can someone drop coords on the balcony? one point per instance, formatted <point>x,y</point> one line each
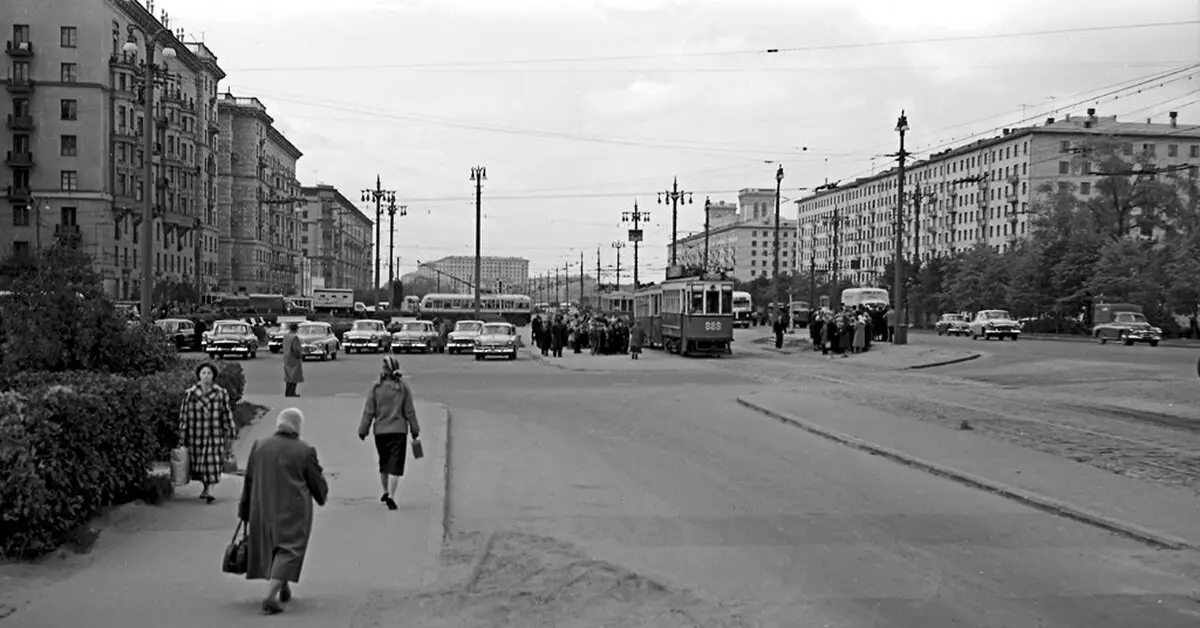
<point>170,217</point>
<point>124,60</point>
<point>20,123</point>
<point>68,234</point>
<point>18,194</point>
<point>19,85</point>
<point>19,49</point>
<point>19,159</point>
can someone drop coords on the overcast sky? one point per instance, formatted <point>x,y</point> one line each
<point>579,107</point>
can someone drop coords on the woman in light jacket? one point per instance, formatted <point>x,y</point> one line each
<point>390,409</point>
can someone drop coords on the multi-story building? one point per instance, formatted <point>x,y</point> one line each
<point>741,238</point>
<point>457,273</point>
<point>337,239</point>
<point>980,193</point>
<point>74,117</point>
<point>257,196</point>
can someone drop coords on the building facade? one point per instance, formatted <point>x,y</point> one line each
<point>337,240</point>
<point>741,238</point>
<point>257,197</point>
<point>457,273</point>
<point>74,162</point>
<point>980,193</point>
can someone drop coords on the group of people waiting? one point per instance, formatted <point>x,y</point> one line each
<point>851,329</point>
<point>602,334</point>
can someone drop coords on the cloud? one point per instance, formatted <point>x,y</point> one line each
<point>641,97</point>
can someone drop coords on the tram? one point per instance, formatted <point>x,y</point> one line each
<point>688,315</point>
<point>511,308</point>
<point>619,302</point>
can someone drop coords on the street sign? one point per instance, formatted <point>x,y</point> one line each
<point>635,235</point>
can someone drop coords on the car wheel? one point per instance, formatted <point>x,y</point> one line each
<point>276,350</point>
<point>334,355</point>
<point>1153,343</point>
<point>1016,337</point>
<point>253,355</point>
<point>512,356</point>
<point>479,358</point>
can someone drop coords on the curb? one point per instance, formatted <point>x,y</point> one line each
<point>439,518</point>
<point>973,356</point>
<point>1150,537</point>
<point>1165,344</point>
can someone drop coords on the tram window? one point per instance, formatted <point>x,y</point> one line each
<point>697,302</point>
<point>727,301</point>
<point>712,302</point>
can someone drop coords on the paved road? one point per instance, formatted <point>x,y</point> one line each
<point>662,473</point>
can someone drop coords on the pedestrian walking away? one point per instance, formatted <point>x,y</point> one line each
<point>390,411</point>
<point>283,480</point>
<point>206,429</point>
<point>293,361</point>
<point>637,336</point>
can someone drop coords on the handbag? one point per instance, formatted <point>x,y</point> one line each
<point>180,471</point>
<point>418,448</point>
<point>237,553</point>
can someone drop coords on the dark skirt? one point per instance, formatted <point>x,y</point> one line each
<point>393,449</point>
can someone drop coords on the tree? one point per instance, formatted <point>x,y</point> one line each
<point>979,279</point>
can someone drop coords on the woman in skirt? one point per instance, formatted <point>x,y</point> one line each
<point>206,429</point>
<point>390,410</point>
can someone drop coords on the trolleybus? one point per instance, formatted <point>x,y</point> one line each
<point>512,308</point>
<point>743,309</point>
<point>688,315</point>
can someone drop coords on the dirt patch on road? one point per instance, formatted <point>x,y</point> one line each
<point>527,581</point>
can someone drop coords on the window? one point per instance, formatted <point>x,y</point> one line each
<point>68,109</point>
<point>1064,167</point>
<point>1172,150</point>
<point>69,145</point>
<point>1064,147</point>
<point>20,107</point>
<point>21,249</point>
<point>20,216</point>
<point>1085,188</point>
<point>69,180</point>
<point>1194,150</point>
<point>68,36</point>
<point>20,71</point>
<point>67,216</point>
<point>69,72</point>
<point>20,33</point>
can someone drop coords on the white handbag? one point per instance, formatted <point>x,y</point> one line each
<point>180,472</point>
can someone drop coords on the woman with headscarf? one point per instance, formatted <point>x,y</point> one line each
<point>206,429</point>
<point>390,410</point>
<point>283,479</point>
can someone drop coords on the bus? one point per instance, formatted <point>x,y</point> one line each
<point>410,305</point>
<point>875,298</point>
<point>688,315</point>
<point>743,309</point>
<point>511,308</point>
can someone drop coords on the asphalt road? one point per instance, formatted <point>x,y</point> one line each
<point>663,473</point>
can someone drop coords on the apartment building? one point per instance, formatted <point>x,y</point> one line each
<point>457,273</point>
<point>979,193</point>
<point>337,239</point>
<point>257,197</point>
<point>741,237</point>
<point>74,121</point>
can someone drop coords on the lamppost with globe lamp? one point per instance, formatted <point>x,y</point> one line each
<point>150,74</point>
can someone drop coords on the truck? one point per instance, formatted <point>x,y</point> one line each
<point>333,299</point>
<point>801,313</point>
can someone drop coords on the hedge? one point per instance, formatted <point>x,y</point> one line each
<point>72,443</point>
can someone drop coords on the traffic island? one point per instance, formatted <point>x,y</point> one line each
<point>879,355</point>
<point>1160,516</point>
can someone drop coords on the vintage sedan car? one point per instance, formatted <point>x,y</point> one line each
<point>990,324</point>
<point>275,339</point>
<point>497,339</point>
<point>462,339</point>
<point>414,336</point>
<point>231,337</point>
<point>953,325</point>
<point>367,335</point>
<point>1129,328</point>
<point>317,341</point>
<point>180,331</point>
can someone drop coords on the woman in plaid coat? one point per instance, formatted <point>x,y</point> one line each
<point>206,429</point>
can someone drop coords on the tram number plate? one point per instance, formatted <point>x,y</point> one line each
<point>712,326</point>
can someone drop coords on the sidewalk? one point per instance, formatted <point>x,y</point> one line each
<point>881,355</point>
<point>1151,513</point>
<point>162,566</point>
<point>1173,343</point>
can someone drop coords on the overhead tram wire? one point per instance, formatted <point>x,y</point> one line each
<point>727,53</point>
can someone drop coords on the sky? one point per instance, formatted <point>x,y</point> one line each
<point>580,108</point>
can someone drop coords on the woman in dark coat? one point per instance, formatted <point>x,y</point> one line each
<point>206,429</point>
<point>293,361</point>
<point>637,336</point>
<point>283,479</point>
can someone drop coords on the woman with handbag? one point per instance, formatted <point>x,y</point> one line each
<point>206,429</point>
<point>389,408</point>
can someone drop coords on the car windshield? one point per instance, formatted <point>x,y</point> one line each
<point>502,330</point>
<point>467,327</point>
<point>995,314</point>
<point>231,329</point>
<point>367,326</point>
<point>312,330</point>
<point>954,317</point>
<point>1131,317</point>
<point>414,327</point>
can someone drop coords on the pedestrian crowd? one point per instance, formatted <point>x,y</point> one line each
<point>851,329</point>
<point>602,334</point>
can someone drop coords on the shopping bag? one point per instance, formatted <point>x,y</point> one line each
<point>180,473</point>
<point>237,553</point>
<point>418,448</point>
<point>229,465</point>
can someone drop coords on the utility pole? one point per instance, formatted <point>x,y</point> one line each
<point>916,224</point>
<point>901,335</point>
<point>635,236</point>
<point>566,282</point>
<point>379,195</point>
<point>581,267</point>
<point>478,175</point>
<point>392,210</point>
<point>812,268</point>
<point>557,300</point>
<point>598,270</point>
<point>778,189</point>
<point>707,206</point>
<point>836,223</point>
<point>674,195</point>
<point>618,245</point>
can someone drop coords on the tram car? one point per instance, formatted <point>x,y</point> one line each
<point>618,302</point>
<point>688,315</point>
<point>510,308</point>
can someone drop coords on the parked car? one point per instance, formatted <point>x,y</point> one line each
<point>1128,327</point>
<point>497,339</point>
<point>317,341</point>
<point>367,335</point>
<point>953,325</point>
<point>990,324</point>
<point>275,339</point>
<point>181,331</point>
<point>231,337</point>
<point>413,336</point>
<point>462,339</point>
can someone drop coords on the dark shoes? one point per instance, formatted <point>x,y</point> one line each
<point>271,606</point>
<point>285,594</point>
<point>387,499</point>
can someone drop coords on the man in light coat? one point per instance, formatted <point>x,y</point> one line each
<point>283,479</point>
<point>293,361</point>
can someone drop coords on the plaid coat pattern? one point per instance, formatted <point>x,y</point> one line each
<point>206,429</point>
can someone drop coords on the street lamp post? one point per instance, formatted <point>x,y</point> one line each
<point>635,236</point>
<point>674,195</point>
<point>901,335</point>
<point>379,195</point>
<point>150,73</point>
<point>478,175</point>
<point>618,245</point>
<point>392,210</point>
<point>707,207</point>
<point>778,188</point>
